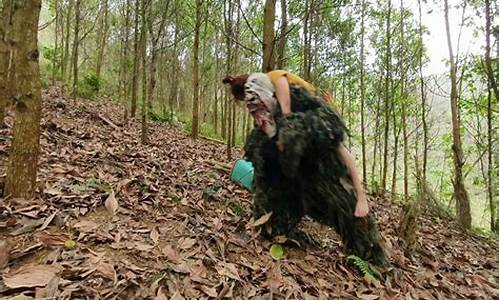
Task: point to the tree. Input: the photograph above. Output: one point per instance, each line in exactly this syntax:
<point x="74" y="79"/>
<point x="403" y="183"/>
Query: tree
<point x="268" y="38"/>
<point x="387" y="96"/>
<point x="5" y="71"/>
<point x="492" y="86"/>
<point x="22" y="33"/>
<point x="135" y="71"/>
<point x="196" y="79"/>
<point x="281" y="59"/>
<point x="102" y="36"/>
<point x="143" y="46"/>
<point x="362" y="88"/>
<point x="460" y="193"/>
<point x="422" y="95"/>
<point x="76" y="43"/>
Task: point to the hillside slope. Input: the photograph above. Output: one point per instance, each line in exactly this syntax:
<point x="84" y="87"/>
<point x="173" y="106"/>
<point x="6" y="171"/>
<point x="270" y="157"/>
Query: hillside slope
<point x="162" y="221"/>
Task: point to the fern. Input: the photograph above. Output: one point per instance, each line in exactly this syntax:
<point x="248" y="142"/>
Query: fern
<point x="369" y="272"/>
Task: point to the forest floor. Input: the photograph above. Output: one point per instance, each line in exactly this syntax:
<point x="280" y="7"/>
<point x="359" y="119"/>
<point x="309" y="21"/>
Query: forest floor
<point x="162" y="221"/>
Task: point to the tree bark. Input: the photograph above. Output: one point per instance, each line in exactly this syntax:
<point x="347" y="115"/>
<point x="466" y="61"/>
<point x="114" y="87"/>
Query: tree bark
<point x="281" y="60"/>
<point x="135" y="72"/>
<point x="362" y="88"/>
<point x="423" y="98"/>
<point x="403" y="104"/>
<point x="6" y="53"/>
<point x="196" y="79"/>
<point x="103" y="36"/>
<point x="306" y="37"/>
<point x="460" y="193"/>
<point x="489" y="70"/>
<point x="125" y="61"/>
<point x="228" y="19"/>
<point x="76" y="43"/>
<point x="493" y="85"/>
<point x="387" y="99"/>
<point x="175" y="64"/>
<point x="56" y="42"/>
<point x="65" y="58"/>
<point x="268" y="40"/>
<point x="23" y="156"/>
<point x="144" y="115"/>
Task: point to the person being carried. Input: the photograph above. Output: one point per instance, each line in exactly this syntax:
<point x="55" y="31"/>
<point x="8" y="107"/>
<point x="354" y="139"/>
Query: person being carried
<point x="282" y="81"/>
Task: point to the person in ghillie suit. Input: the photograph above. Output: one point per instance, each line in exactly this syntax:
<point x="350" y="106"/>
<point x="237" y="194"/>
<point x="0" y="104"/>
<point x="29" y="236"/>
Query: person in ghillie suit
<point x="300" y="164"/>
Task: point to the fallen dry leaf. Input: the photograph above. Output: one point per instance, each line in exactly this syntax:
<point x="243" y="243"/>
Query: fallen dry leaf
<point x="154" y="235"/>
<point x="160" y="295"/>
<point x="171" y="254"/>
<point x="262" y="220"/>
<point x="31" y="276"/>
<point x="111" y="203"/>
<point x="211" y="292"/>
<point x="5" y="247"/>
<point x="177" y="296"/>
<point x="228" y="270"/>
<point x="186" y="243"/>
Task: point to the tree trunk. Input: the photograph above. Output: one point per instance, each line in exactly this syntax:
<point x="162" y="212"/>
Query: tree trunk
<point x="489" y="70"/>
<point x="103" y="36"/>
<point x="65" y="59"/>
<point x="403" y="106"/>
<point x="135" y="72"/>
<point x="374" y="183"/>
<point x="397" y="132"/>
<point x="280" y="60"/>
<point x="268" y="40"/>
<point x="125" y="62"/>
<point x="76" y="43"/>
<point x="362" y="87"/>
<point x="6" y="53"/>
<point x="493" y="85"/>
<point x="56" y="42"/>
<point x="387" y="101"/>
<point x="144" y="115"/>
<point x="306" y="63"/>
<point x="196" y="79"/>
<point x="423" y="97"/>
<point x="228" y="18"/>
<point x="23" y="156"/>
<point x="460" y="193"/>
<point x="175" y="64"/>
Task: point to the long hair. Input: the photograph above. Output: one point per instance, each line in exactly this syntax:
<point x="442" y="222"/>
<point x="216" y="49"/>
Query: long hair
<point x="237" y="85"/>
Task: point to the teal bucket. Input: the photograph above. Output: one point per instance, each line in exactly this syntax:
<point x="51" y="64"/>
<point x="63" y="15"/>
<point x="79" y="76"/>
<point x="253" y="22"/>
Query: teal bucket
<point x="242" y="173"/>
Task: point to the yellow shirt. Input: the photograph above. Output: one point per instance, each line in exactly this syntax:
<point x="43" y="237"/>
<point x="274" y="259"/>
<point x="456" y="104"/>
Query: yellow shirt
<point x="292" y="80"/>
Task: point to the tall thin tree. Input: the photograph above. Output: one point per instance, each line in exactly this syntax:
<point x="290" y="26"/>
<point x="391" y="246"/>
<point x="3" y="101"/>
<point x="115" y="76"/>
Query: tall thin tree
<point x="23" y="156"/>
<point x="459" y="191"/>
<point x="196" y="79"/>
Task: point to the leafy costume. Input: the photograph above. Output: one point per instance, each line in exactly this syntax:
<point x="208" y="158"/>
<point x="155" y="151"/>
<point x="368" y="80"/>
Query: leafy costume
<point x="308" y="177"/>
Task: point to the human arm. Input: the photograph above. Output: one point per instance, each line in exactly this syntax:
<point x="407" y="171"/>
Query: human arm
<point x="361" y="203"/>
<point x="283" y="95"/>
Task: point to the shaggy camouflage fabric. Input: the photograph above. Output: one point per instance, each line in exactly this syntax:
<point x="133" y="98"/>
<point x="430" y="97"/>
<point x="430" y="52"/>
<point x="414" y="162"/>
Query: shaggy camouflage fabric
<point x="308" y="178"/>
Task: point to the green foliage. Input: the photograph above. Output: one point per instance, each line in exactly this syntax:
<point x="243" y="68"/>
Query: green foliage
<point x="237" y="208"/>
<point x="364" y="268"/>
<point x="90" y="85"/>
<point x="91" y="184"/>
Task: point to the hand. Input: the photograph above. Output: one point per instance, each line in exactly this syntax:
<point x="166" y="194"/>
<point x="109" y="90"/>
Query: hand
<point x="361" y="207"/>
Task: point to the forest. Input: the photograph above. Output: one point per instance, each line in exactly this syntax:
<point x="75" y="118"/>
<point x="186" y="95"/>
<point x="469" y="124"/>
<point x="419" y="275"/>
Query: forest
<point x="118" y="137"/>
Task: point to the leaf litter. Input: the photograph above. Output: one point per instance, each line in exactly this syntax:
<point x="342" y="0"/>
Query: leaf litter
<point x="159" y="221"/>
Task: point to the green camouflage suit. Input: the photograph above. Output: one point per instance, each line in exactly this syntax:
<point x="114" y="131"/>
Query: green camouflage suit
<point x="308" y="177"/>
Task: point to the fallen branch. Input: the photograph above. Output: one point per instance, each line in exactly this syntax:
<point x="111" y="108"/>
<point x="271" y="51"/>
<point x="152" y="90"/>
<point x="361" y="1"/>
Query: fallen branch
<point x="212" y="139"/>
<point x="107" y="121"/>
<point x="223" y="167"/>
